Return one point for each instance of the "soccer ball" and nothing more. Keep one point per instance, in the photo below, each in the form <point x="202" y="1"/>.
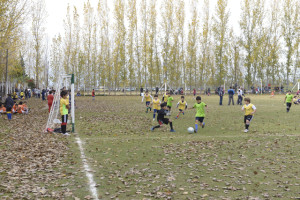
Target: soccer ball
<point x="190" y="130"/>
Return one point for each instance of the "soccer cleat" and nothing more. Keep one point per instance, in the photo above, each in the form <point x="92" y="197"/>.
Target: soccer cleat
<point x="246" y="131"/>
<point x="203" y="125"/>
<point x="183" y="113"/>
<point x="66" y="134"/>
<point x="152" y="129"/>
<point x="195" y="131"/>
<point x="176" y="117"/>
<point x="172" y="130"/>
<point x="153" y="119"/>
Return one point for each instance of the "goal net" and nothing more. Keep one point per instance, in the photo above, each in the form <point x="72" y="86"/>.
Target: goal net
<point x="65" y="82"/>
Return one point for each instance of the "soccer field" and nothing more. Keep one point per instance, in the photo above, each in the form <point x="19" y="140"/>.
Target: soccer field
<point x="128" y="161"/>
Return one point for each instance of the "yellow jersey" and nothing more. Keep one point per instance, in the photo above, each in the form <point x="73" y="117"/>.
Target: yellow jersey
<point x="148" y="98"/>
<point x="249" y="108"/>
<point x="156" y="104"/>
<point x="63" y="106"/>
<point x="182" y="105"/>
<point x="166" y="97"/>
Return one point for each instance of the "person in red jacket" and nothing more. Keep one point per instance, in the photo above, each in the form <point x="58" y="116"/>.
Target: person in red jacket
<point x="93" y="94"/>
<point x="50" y="100"/>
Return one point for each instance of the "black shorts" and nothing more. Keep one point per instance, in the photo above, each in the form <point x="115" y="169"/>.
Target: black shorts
<point x="163" y="121"/>
<point x="289" y="104"/>
<point x="64" y="119"/>
<point x="180" y="110"/>
<point x="147" y="103"/>
<point x="248" y="117"/>
<point x="200" y="119"/>
<point x="169" y="107"/>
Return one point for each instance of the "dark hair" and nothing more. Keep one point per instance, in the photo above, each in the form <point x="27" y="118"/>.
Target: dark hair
<point x="198" y="98"/>
<point x="230" y="87"/>
<point x="289" y="91"/>
<point x="247" y="99"/>
<point x="182" y="96"/>
<point x="9" y="95"/>
<point x="50" y="92"/>
<point x="155" y="95"/>
<point x="20" y="103"/>
<point x="63" y="93"/>
<point x="163" y="105"/>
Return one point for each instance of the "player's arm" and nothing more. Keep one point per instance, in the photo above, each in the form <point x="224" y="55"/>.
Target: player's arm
<point x="177" y="104"/>
<point x="206" y="108"/>
<point x="284" y="99"/>
<point x="185" y="105"/>
<point x="143" y="98"/>
<point x="254" y="109"/>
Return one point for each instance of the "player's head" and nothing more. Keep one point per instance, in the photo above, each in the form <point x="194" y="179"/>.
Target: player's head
<point x="230" y="87"/>
<point x="64" y="94"/>
<point x="198" y="99"/>
<point x="163" y="106"/>
<point x="155" y="96"/>
<point x="247" y="100"/>
<point x="182" y="98"/>
<point x="50" y="92"/>
<point x="147" y="92"/>
<point x="9" y="95"/>
<point x="289" y="91"/>
<point x="20" y="103"/>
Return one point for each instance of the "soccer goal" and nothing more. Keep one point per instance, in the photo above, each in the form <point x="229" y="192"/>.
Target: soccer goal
<point x="297" y="85"/>
<point x="65" y="82"/>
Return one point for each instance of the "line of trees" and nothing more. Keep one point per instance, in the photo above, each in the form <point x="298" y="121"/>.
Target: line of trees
<point x="134" y="43"/>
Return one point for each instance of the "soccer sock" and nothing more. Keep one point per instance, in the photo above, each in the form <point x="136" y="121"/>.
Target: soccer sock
<point x="247" y="126"/>
<point x="171" y="125"/>
<point x="158" y="126"/>
<point x="183" y="113"/>
<point x="196" y="127"/>
<point x="63" y="128"/>
<point x="153" y="115"/>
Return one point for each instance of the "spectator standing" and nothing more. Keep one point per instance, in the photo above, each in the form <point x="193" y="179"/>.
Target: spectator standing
<point x="221" y="94"/>
<point x="50" y="100"/>
<point x="141" y="90"/>
<point x="240" y="96"/>
<point x="9" y="103"/>
<point x="194" y="92"/>
<point x="231" y="93"/>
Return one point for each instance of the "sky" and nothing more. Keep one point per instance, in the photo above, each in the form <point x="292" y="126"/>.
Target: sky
<point x="57" y="10"/>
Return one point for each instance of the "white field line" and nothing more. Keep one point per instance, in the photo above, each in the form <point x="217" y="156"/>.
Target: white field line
<point x="87" y="170"/>
<point x="174" y="137"/>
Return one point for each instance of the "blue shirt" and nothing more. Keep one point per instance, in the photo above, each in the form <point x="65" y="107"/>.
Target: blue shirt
<point x="231" y="92"/>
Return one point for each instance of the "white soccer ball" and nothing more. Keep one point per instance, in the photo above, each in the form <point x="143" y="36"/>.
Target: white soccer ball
<point x="190" y="130"/>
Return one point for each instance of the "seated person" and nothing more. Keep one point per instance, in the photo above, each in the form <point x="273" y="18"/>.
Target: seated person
<point x="22" y="108"/>
<point x="14" y="108"/>
<point x="296" y="100"/>
<point x="2" y="109"/>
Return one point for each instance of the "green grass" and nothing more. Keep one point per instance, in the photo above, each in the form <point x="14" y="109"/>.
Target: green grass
<point x="131" y="162"/>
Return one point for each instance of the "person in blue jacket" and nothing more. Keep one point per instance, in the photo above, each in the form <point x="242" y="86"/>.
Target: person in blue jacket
<point x="230" y="94"/>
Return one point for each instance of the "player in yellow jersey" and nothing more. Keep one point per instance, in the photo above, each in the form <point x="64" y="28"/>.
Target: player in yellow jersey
<point x="148" y="98"/>
<point x="166" y="97"/>
<point x="156" y="105"/>
<point x="249" y="109"/>
<point x="181" y="105"/>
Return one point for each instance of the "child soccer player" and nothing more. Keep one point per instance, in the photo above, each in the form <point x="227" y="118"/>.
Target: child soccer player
<point x="272" y="94"/>
<point x="50" y="100"/>
<point x="165" y="97"/>
<point x="64" y="106"/>
<point x="249" y="109"/>
<point x="161" y="118"/>
<point x="288" y="100"/>
<point x="14" y="108"/>
<point x="148" y="98"/>
<point x="169" y="104"/>
<point x="93" y="94"/>
<point x="181" y="105"/>
<point x="156" y="105"/>
<point x="200" y="115"/>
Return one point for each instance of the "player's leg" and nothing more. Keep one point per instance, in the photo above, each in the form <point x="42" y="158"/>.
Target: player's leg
<point x="202" y="124"/>
<point x="160" y="124"/>
<point x="171" y="125"/>
<point x="154" y="112"/>
<point x="196" y="124"/>
<point x="288" y="107"/>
